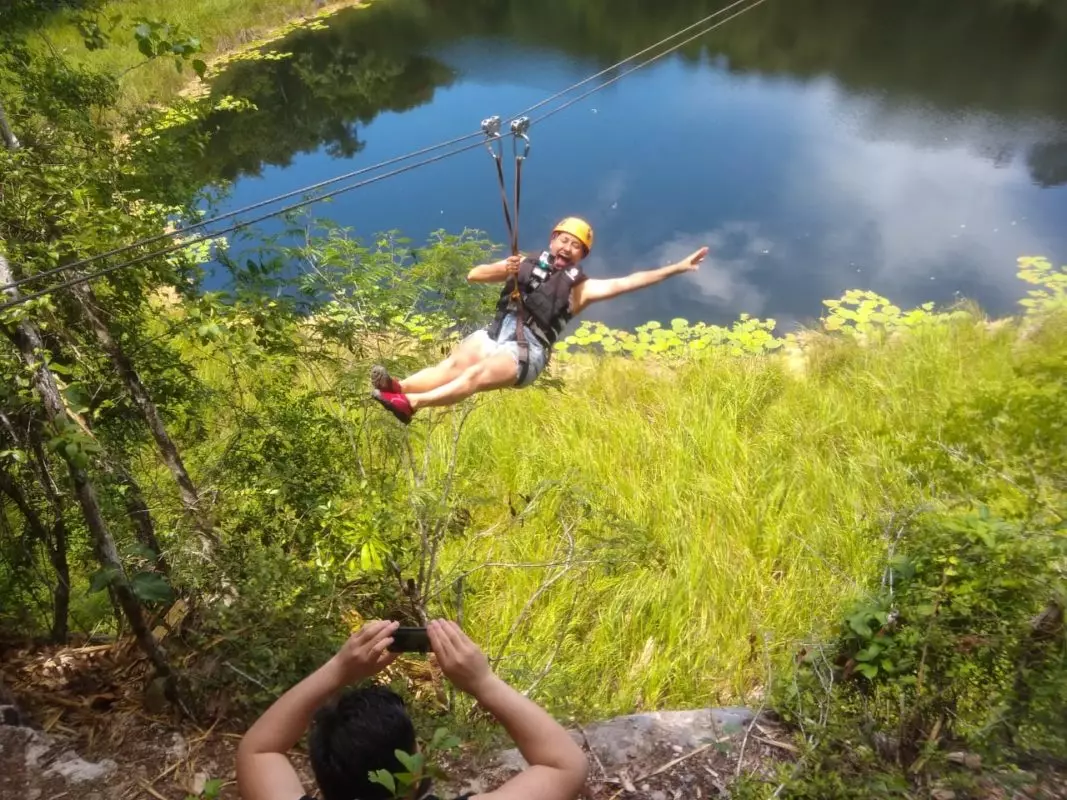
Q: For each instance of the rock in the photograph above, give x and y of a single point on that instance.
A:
(178, 749)
(77, 770)
(9, 710)
(37, 747)
(658, 795)
(199, 781)
(888, 747)
(619, 741)
(972, 761)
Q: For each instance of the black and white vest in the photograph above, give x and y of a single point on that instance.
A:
(546, 298)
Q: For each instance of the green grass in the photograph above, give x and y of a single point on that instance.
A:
(683, 525)
(221, 25)
(760, 496)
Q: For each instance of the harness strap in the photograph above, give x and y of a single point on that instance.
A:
(504, 196)
(516, 294)
(519, 127)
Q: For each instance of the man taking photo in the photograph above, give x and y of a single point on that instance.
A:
(356, 731)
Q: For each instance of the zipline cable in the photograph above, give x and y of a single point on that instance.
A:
(91, 276)
(364, 170)
(627, 60)
(643, 64)
(238, 226)
(237, 212)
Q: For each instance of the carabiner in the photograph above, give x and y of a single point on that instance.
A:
(491, 129)
(519, 130)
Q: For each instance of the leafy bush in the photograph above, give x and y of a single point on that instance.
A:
(961, 651)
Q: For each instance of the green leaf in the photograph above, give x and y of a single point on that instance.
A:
(413, 763)
(212, 788)
(903, 566)
(369, 558)
(869, 671)
(102, 579)
(141, 550)
(870, 653)
(151, 587)
(384, 778)
(859, 624)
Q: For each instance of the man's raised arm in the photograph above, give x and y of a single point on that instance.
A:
(264, 771)
(596, 290)
(558, 767)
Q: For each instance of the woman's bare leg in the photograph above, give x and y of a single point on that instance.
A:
(495, 372)
(463, 357)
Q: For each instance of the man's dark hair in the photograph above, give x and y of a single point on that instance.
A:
(356, 734)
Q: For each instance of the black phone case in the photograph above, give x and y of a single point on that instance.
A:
(410, 640)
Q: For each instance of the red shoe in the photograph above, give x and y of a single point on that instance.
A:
(383, 381)
(397, 403)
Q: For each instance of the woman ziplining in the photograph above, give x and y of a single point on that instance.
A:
(540, 296)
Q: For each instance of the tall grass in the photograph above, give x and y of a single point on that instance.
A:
(761, 500)
(221, 25)
(663, 533)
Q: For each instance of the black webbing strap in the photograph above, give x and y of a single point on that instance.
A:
(519, 127)
(520, 307)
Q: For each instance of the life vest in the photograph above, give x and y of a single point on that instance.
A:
(546, 298)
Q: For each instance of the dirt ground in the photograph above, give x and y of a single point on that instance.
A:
(88, 733)
(89, 730)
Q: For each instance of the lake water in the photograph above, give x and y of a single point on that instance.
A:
(916, 148)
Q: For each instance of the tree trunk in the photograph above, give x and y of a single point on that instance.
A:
(55, 544)
(150, 414)
(61, 597)
(58, 555)
(28, 340)
(11, 142)
(139, 513)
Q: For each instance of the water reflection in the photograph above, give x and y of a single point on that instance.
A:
(915, 148)
(324, 85)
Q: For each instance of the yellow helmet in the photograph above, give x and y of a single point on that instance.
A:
(578, 228)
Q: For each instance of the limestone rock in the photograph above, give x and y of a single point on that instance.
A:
(77, 770)
(622, 740)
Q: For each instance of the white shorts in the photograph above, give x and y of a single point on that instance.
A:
(506, 343)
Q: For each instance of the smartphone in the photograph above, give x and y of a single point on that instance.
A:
(410, 640)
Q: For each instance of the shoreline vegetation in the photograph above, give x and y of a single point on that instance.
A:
(225, 28)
